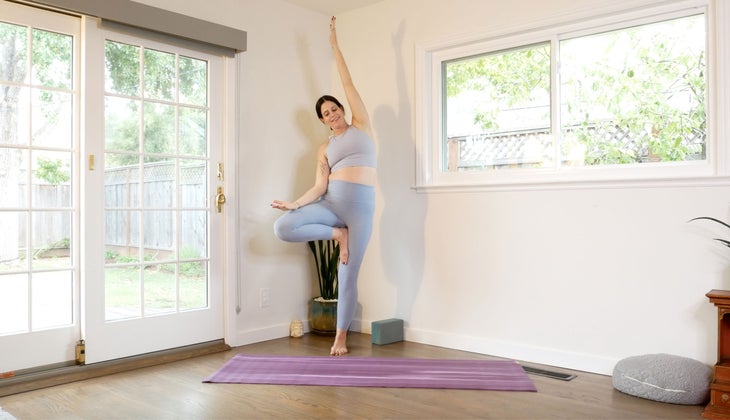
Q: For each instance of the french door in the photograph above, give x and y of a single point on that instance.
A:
(110, 154)
(39, 194)
(155, 238)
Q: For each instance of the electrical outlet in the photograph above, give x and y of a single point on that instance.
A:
(264, 297)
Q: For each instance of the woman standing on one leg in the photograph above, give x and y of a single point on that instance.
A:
(341, 203)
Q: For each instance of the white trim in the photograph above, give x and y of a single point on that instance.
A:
(231, 282)
(719, 71)
(429, 57)
(513, 350)
(718, 181)
(242, 338)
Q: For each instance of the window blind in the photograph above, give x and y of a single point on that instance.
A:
(119, 13)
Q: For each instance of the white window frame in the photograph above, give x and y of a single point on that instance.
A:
(429, 104)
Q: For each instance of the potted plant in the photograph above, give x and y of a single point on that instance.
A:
(323, 312)
(722, 241)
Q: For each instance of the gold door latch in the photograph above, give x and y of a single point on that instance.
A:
(81, 352)
(220, 200)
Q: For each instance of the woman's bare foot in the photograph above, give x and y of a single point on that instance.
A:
(341, 236)
(339, 348)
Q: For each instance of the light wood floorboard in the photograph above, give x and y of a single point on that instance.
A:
(175, 391)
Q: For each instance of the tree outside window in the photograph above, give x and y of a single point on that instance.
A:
(631, 96)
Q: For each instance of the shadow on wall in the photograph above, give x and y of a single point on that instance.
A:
(310, 132)
(402, 219)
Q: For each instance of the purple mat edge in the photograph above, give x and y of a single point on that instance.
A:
(517, 380)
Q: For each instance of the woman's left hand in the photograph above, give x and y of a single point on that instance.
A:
(333, 32)
(284, 205)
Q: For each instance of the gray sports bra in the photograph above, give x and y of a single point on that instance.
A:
(351, 148)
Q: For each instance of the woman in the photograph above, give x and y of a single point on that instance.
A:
(340, 205)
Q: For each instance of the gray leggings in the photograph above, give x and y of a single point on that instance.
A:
(344, 204)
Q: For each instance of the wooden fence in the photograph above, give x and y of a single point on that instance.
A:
(530, 148)
(153, 209)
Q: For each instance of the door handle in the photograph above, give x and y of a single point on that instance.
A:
(220, 200)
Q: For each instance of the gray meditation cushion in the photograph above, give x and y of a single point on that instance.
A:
(664, 377)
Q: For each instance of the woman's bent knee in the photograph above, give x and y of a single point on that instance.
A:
(282, 230)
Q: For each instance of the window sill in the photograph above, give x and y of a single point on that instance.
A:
(685, 182)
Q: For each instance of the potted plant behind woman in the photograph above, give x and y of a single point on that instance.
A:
(323, 312)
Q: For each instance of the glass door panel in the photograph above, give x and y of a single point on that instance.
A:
(39, 281)
(155, 198)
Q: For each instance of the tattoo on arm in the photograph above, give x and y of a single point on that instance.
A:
(323, 167)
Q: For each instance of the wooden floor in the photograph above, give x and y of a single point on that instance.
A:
(175, 391)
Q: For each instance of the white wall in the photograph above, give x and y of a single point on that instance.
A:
(577, 278)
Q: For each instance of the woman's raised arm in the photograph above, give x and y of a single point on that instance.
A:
(360, 117)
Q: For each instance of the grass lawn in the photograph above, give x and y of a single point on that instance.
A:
(162, 291)
(124, 294)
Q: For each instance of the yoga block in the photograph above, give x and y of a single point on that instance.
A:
(387, 331)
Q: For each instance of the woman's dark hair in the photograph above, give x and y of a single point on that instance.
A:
(323, 99)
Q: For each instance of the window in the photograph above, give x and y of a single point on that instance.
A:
(497, 110)
(616, 99)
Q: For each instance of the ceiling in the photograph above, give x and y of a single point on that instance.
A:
(333, 7)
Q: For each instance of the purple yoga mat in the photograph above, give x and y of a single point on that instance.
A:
(498, 375)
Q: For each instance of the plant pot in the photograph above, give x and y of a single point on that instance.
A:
(323, 316)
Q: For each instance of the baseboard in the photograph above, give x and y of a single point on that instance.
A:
(540, 355)
(272, 332)
(516, 351)
(509, 350)
(38, 379)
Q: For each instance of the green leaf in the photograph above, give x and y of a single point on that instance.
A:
(326, 255)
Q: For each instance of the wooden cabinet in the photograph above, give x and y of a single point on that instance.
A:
(719, 405)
